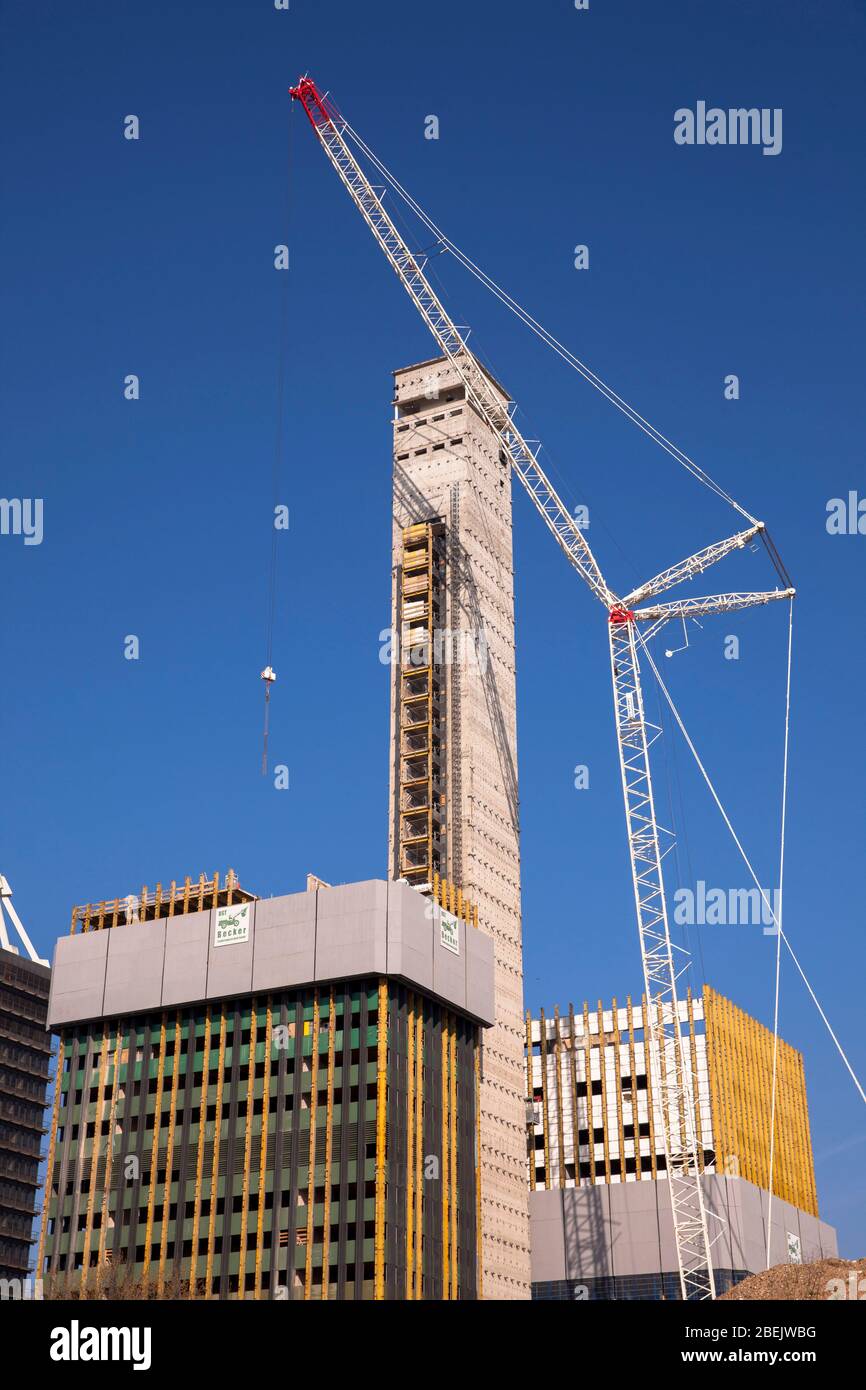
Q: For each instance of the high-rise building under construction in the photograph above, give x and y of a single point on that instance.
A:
(267, 1098)
(453, 800)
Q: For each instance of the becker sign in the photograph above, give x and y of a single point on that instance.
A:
(449, 932)
(232, 925)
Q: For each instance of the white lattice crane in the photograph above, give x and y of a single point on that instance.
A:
(668, 1051)
(5, 940)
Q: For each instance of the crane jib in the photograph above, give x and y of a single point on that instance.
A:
(327, 122)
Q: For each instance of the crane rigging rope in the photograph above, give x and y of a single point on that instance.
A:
(546, 337)
(779, 932)
(748, 864)
(268, 675)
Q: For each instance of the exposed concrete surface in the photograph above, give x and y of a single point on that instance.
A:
(447, 464)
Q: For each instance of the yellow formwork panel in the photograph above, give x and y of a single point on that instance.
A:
(740, 1062)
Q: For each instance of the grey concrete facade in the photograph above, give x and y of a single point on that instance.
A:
(624, 1229)
(356, 930)
(448, 465)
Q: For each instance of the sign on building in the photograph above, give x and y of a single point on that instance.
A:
(449, 932)
(232, 925)
(795, 1252)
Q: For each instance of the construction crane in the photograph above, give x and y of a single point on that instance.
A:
(5, 940)
(668, 1049)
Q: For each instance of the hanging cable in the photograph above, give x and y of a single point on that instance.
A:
(747, 862)
(775, 557)
(779, 934)
(268, 675)
(546, 337)
(679, 824)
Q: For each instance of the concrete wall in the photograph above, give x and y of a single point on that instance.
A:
(626, 1228)
(355, 930)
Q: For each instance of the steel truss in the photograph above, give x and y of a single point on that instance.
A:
(5, 941)
(668, 1052)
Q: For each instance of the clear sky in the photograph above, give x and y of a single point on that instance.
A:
(155, 257)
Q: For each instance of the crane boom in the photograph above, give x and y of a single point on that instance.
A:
(699, 607)
(668, 1049)
(5, 942)
(694, 564)
(326, 122)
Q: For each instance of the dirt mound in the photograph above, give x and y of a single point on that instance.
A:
(817, 1282)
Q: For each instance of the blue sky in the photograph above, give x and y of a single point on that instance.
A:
(155, 257)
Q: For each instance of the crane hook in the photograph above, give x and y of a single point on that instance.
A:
(269, 675)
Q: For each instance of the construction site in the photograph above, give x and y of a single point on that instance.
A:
(338, 1093)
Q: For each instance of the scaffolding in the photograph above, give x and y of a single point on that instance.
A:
(150, 904)
(420, 705)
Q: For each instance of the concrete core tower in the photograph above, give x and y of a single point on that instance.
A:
(453, 788)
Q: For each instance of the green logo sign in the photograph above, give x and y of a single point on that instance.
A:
(232, 925)
(449, 932)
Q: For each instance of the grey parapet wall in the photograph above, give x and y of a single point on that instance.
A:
(352, 931)
(625, 1229)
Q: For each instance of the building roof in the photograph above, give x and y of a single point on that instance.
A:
(434, 361)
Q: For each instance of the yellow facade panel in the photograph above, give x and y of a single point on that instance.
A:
(740, 1062)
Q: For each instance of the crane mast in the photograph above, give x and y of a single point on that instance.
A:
(669, 1061)
(668, 1051)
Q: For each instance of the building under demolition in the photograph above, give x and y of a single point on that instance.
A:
(269, 1097)
(454, 803)
(599, 1205)
(25, 1056)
